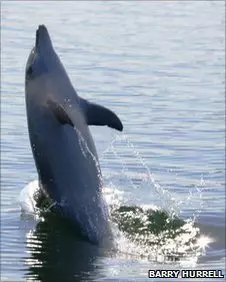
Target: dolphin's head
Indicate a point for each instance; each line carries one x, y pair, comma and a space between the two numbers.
45, 73
42, 56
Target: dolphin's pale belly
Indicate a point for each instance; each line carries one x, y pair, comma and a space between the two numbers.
69, 172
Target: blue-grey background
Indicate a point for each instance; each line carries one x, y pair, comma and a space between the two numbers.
161, 67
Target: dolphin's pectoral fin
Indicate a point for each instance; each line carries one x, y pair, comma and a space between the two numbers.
99, 115
59, 113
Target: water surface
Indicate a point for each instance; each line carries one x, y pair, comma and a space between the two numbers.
161, 67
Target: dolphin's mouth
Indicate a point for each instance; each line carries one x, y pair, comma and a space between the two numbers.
37, 37
42, 37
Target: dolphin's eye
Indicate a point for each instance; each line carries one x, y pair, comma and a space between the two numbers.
29, 70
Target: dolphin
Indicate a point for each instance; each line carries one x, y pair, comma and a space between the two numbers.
62, 145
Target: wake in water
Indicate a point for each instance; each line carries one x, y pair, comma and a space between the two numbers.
152, 232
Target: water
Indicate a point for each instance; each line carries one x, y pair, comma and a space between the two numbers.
161, 67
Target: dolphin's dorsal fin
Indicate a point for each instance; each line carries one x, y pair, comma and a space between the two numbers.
99, 115
59, 112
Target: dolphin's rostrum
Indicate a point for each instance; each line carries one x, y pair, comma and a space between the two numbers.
62, 145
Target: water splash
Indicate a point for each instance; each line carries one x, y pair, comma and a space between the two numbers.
182, 242
134, 227
143, 173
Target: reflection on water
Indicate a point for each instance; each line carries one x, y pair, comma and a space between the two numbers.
58, 254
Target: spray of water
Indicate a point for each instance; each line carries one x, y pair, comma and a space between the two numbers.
176, 240
145, 238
